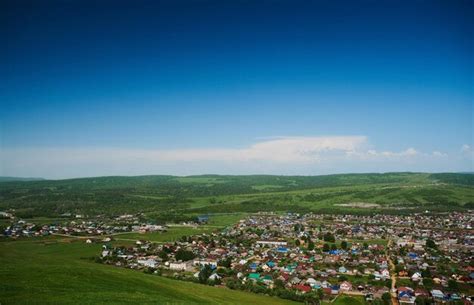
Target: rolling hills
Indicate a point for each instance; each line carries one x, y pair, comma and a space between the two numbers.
156, 196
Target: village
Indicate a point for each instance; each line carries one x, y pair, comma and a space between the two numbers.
78, 225
416, 259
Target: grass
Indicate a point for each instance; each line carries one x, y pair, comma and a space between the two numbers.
61, 271
265, 187
224, 220
348, 300
216, 222
203, 180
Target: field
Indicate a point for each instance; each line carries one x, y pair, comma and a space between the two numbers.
168, 198
62, 271
349, 300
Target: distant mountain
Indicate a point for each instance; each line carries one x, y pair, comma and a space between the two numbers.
9, 179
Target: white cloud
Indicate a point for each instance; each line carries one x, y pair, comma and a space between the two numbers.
468, 152
439, 154
374, 154
280, 155
467, 149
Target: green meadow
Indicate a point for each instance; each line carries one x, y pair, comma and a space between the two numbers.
62, 271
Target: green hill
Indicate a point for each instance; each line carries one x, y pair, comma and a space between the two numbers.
154, 195
54, 271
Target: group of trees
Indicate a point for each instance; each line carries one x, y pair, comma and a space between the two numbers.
184, 255
312, 297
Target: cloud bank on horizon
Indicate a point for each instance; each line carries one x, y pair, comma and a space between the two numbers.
278, 155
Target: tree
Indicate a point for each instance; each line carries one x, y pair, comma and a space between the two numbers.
329, 237
184, 255
226, 262
430, 244
344, 245
452, 285
320, 293
428, 282
205, 273
279, 284
386, 298
310, 245
232, 284
426, 273
297, 242
163, 255
326, 248
333, 247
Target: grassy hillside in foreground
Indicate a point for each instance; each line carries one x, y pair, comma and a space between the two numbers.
168, 197
54, 271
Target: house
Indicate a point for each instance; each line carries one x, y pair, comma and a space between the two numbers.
455, 297
420, 292
346, 286
405, 297
267, 279
151, 263
311, 282
178, 266
212, 263
416, 277
271, 243
302, 288
295, 280
437, 294
335, 289
254, 276
214, 277
342, 269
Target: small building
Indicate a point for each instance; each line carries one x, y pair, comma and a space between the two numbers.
178, 266
346, 286
302, 288
437, 294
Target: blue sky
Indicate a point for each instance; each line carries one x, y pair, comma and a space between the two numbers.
235, 87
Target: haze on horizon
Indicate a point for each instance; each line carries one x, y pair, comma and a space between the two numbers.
235, 87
